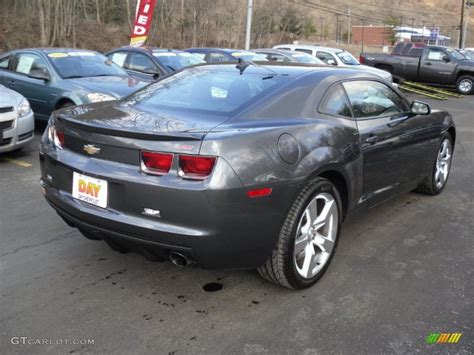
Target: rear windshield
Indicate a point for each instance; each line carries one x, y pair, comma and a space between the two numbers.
209, 89
177, 60
78, 64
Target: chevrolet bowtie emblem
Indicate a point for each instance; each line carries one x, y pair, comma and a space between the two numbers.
91, 149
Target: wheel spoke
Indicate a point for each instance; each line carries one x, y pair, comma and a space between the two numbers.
300, 244
309, 261
325, 214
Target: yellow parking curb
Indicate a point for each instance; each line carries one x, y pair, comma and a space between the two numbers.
21, 163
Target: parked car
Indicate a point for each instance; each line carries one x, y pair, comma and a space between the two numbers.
217, 55
53, 78
334, 56
152, 63
17, 126
278, 55
251, 166
435, 65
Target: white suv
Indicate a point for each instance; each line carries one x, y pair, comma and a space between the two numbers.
334, 56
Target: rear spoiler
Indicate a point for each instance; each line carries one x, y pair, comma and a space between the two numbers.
170, 136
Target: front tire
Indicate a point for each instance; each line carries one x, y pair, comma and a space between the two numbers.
436, 181
308, 238
465, 85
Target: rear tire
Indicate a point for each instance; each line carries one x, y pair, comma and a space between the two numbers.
308, 237
434, 184
465, 85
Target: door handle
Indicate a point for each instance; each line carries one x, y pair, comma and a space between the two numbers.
428, 63
372, 139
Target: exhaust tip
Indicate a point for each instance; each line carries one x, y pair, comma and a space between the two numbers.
179, 259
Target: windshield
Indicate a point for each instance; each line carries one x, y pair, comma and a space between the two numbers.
347, 58
177, 60
306, 58
249, 56
456, 54
208, 89
77, 64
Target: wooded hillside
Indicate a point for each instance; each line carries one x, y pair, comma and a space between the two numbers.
105, 24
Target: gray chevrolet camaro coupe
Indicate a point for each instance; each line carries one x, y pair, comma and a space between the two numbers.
247, 166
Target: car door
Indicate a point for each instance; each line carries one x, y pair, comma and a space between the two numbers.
142, 67
42, 94
395, 144
434, 67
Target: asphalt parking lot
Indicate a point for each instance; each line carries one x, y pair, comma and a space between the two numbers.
402, 271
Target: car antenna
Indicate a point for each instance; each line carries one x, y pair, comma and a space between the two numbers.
244, 64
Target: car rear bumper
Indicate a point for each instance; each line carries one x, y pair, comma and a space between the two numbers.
214, 226
20, 134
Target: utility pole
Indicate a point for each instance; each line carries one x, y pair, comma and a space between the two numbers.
249, 24
466, 21
363, 34
321, 33
349, 29
412, 28
461, 35
337, 27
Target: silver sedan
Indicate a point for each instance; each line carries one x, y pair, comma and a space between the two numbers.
16, 121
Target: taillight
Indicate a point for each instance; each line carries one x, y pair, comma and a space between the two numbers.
56, 136
195, 167
362, 59
156, 163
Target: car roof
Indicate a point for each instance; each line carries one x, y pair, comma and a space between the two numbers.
225, 50
146, 49
294, 70
311, 46
272, 50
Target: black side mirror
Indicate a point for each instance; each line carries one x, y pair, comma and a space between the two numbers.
40, 74
420, 108
446, 59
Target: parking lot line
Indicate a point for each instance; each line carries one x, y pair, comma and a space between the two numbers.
21, 163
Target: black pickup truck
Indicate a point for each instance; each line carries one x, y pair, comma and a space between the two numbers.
428, 64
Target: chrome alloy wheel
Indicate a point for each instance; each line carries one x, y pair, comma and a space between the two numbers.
443, 163
316, 235
465, 85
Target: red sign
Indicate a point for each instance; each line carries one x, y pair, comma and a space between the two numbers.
142, 23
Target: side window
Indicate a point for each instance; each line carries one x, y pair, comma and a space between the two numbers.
335, 103
284, 48
4, 62
373, 99
436, 54
325, 57
214, 57
276, 57
308, 51
118, 58
28, 62
140, 62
